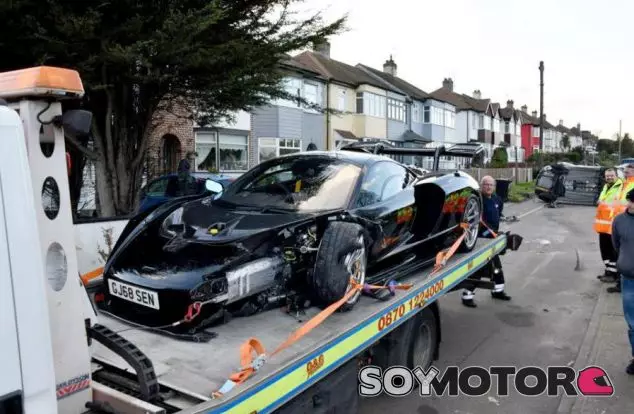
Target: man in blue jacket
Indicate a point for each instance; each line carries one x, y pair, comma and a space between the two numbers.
492, 206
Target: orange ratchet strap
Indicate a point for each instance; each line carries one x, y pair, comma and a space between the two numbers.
443, 256
253, 346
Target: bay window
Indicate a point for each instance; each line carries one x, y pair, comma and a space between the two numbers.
507, 127
396, 110
480, 121
371, 104
416, 113
221, 152
535, 131
450, 119
269, 148
311, 93
496, 125
292, 86
437, 116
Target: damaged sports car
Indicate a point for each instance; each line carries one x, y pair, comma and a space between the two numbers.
292, 230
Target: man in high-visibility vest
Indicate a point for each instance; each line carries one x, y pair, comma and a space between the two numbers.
619, 206
603, 223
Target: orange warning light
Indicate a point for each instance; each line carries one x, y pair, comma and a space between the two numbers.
41, 81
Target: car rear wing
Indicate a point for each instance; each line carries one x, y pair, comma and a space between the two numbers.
466, 150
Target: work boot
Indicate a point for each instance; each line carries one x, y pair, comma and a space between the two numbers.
469, 303
614, 289
607, 279
630, 368
500, 295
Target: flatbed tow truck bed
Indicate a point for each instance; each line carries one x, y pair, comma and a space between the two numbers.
198, 369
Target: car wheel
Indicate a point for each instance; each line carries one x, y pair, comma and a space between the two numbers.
471, 216
342, 255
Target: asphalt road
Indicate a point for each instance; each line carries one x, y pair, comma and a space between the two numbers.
543, 325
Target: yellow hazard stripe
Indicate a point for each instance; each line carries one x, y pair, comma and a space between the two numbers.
281, 387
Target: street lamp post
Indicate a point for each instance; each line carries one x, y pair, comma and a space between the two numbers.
541, 106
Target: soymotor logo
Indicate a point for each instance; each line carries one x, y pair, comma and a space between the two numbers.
530, 381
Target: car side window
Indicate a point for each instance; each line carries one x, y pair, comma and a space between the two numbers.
384, 180
157, 188
171, 188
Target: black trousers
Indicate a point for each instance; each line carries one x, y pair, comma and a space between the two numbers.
608, 254
492, 270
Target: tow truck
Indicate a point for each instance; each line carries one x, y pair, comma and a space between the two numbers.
59, 355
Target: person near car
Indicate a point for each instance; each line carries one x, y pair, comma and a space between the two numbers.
619, 206
603, 223
492, 207
623, 240
186, 182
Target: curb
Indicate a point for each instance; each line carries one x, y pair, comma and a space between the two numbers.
587, 351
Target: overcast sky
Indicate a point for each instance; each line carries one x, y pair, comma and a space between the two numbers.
496, 45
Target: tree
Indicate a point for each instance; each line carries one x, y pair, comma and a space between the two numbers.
565, 141
499, 159
627, 146
607, 145
139, 58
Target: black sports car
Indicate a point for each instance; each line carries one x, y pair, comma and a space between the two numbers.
297, 226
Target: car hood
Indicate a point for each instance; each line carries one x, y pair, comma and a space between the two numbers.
213, 222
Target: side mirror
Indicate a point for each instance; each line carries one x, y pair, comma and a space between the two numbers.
76, 122
213, 186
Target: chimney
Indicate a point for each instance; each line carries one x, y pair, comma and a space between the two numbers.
524, 108
389, 67
561, 122
534, 114
447, 83
323, 48
509, 104
477, 94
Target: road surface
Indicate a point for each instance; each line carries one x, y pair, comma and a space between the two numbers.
543, 325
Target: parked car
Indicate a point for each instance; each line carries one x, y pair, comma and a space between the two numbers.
291, 229
165, 188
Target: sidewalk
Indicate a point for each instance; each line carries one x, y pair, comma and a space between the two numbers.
606, 346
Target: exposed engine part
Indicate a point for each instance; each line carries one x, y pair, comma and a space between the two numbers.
252, 278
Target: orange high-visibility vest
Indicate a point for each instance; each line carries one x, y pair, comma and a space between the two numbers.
605, 210
620, 204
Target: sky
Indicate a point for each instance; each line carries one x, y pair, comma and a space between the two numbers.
496, 46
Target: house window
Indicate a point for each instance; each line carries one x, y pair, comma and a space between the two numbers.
487, 123
341, 100
480, 121
292, 86
221, 153
371, 104
450, 119
507, 127
496, 125
396, 110
311, 93
233, 152
437, 116
416, 112
270, 148
427, 116
206, 144
535, 131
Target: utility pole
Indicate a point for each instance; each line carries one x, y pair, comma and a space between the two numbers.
620, 139
541, 106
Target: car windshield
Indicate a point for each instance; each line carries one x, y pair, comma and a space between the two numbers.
299, 183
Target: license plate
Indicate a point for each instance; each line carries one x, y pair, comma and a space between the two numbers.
134, 294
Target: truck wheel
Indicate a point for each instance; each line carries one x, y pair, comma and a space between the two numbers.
412, 344
342, 255
471, 216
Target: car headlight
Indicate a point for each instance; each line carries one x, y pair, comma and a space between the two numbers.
173, 224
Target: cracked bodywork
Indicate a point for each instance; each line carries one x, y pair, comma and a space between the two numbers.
254, 247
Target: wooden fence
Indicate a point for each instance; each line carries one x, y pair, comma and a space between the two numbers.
517, 175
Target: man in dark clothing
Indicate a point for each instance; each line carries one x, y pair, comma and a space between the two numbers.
492, 206
623, 240
186, 182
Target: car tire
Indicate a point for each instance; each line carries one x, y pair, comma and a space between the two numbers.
342, 251
472, 214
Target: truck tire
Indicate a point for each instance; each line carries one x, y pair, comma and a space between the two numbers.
342, 254
472, 213
412, 344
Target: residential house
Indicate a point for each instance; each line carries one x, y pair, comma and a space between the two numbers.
512, 127
476, 118
565, 132
360, 99
430, 119
575, 137
286, 126
530, 131
551, 144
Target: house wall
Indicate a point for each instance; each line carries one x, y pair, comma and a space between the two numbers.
345, 121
